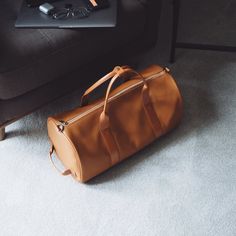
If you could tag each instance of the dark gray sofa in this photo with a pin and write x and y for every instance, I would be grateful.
(40, 65)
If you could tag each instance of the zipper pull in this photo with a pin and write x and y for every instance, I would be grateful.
(62, 125)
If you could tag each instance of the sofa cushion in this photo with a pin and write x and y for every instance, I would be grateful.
(30, 58)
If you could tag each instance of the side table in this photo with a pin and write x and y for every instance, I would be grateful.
(176, 44)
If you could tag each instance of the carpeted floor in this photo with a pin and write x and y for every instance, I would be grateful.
(183, 184)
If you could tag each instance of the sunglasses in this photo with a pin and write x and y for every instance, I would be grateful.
(70, 12)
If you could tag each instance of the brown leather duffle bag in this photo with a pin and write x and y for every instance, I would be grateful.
(93, 137)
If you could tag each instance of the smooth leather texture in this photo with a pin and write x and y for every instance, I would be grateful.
(90, 139)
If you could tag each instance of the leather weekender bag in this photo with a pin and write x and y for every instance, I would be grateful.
(93, 137)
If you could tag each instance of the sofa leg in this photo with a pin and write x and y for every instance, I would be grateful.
(2, 133)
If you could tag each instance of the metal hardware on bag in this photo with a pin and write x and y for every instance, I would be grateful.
(61, 127)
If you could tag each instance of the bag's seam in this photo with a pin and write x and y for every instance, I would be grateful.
(74, 150)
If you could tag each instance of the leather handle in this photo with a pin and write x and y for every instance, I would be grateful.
(113, 81)
(117, 70)
(145, 90)
(66, 172)
(93, 2)
(104, 121)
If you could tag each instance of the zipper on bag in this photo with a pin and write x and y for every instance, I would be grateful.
(63, 124)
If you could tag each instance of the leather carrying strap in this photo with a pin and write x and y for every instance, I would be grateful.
(105, 128)
(93, 2)
(151, 113)
(66, 172)
(117, 70)
(109, 139)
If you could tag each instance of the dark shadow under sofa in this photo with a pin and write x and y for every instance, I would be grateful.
(40, 65)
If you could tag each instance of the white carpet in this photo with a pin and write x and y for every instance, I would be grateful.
(183, 184)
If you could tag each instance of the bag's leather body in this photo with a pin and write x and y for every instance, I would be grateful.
(92, 138)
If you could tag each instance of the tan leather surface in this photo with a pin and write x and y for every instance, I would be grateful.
(93, 2)
(95, 137)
